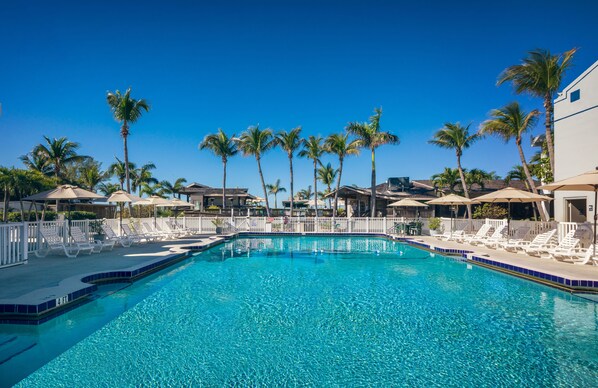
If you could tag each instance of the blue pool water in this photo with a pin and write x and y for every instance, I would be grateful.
(316, 312)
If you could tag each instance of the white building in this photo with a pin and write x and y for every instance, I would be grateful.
(576, 143)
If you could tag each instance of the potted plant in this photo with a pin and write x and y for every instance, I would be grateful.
(435, 226)
(95, 227)
(218, 223)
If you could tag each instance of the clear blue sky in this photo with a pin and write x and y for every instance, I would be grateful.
(281, 64)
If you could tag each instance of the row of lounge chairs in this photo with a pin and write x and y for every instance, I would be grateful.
(543, 245)
(146, 232)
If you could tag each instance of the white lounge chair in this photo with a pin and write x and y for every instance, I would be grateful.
(519, 235)
(498, 234)
(448, 236)
(56, 244)
(567, 248)
(136, 237)
(584, 257)
(538, 241)
(542, 249)
(149, 229)
(97, 245)
(124, 241)
(483, 231)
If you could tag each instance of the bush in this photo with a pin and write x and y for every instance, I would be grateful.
(80, 215)
(435, 224)
(29, 216)
(490, 210)
(213, 207)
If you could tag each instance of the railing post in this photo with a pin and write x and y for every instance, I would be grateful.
(385, 226)
(367, 225)
(200, 225)
(25, 241)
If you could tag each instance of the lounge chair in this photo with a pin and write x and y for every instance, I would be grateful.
(519, 235)
(499, 233)
(124, 241)
(483, 231)
(543, 248)
(136, 237)
(97, 245)
(149, 229)
(567, 248)
(538, 241)
(56, 244)
(175, 227)
(584, 257)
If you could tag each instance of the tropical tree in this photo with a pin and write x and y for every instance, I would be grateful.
(517, 173)
(108, 188)
(151, 188)
(126, 110)
(369, 135)
(457, 137)
(91, 175)
(313, 149)
(511, 122)
(174, 188)
(58, 153)
(449, 178)
(479, 177)
(274, 189)
(327, 175)
(339, 145)
(290, 142)
(255, 142)
(540, 74)
(305, 194)
(224, 147)
(37, 161)
(118, 170)
(142, 175)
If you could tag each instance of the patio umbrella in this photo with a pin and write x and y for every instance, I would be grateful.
(584, 182)
(451, 200)
(407, 202)
(121, 197)
(509, 195)
(157, 202)
(174, 203)
(63, 192)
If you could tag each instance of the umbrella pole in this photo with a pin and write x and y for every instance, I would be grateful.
(121, 218)
(452, 216)
(508, 220)
(155, 214)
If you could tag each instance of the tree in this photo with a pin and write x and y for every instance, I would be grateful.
(224, 147)
(339, 144)
(274, 189)
(449, 178)
(108, 188)
(290, 142)
(58, 153)
(369, 135)
(142, 175)
(173, 189)
(313, 149)
(511, 122)
(255, 142)
(479, 177)
(517, 173)
(305, 194)
(118, 170)
(150, 189)
(456, 137)
(91, 175)
(126, 110)
(37, 161)
(327, 175)
(540, 74)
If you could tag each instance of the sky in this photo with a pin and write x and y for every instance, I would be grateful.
(279, 64)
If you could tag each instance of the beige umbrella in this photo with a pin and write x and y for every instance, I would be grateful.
(407, 202)
(509, 195)
(177, 203)
(451, 200)
(65, 192)
(157, 202)
(121, 197)
(583, 182)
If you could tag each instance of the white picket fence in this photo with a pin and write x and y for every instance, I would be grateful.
(18, 240)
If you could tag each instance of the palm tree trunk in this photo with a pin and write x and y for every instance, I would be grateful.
(275, 201)
(291, 167)
(530, 181)
(338, 185)
(6, 199)
(224, 184)
(124, 129)
(465, 191)
(259, 168)
(316, 186)
(373, 184)
(548, 124)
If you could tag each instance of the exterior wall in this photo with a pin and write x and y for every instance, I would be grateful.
(576, 137)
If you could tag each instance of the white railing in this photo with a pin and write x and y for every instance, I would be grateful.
(13, 244)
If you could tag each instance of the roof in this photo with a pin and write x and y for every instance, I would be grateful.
(564, 95)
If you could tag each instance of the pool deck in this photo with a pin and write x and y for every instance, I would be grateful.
(568, 276)
(36, 291)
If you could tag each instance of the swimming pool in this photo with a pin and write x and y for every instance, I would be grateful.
(315, 311)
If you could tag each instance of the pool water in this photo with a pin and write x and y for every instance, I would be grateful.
(313, 311)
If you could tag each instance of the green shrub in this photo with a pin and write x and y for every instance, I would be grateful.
(435, 224)
(80, 215)
(29, 216)
(213, 207)
(490, 210)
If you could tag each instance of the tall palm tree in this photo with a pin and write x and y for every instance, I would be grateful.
(173, 189)
(313, 149)
(58, 153)
(305, 194)
(224, 147)
(290, 142)
(108, 188)
(118, 170)
(327, 175)
(91, 175)
(477, 176)
(449, 178)
(151, 188)
(37, 161)
(540, 74)
(142, 175)
(511, 122)
(274, 189)
(339, 144)
(256, 142)
(126, 110)
(369, 135)
(456, 137)
(6, 185)
(517, 173)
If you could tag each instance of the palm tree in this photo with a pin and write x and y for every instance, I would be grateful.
(511, 122)
(6, 183)
(540, 75)
(91, 175)
(313, 149)
(108, 188)
(517, 173)
(150, 189)
(327, 175)
(224, 147)
(118, 170)
(37, 161)
(477, 176)
(290, 142)
(369, 135)
(256, 142)
(173, 189)
(142, 175)
(305, 194)
(126, 110)
(449, 178)
(339, 144)
(58, 153)
(274, 189)
(457, 137)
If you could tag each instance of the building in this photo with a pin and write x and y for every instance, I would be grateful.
(203, 196)
(576, 143)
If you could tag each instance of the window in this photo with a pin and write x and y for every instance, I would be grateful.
(575, 95)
